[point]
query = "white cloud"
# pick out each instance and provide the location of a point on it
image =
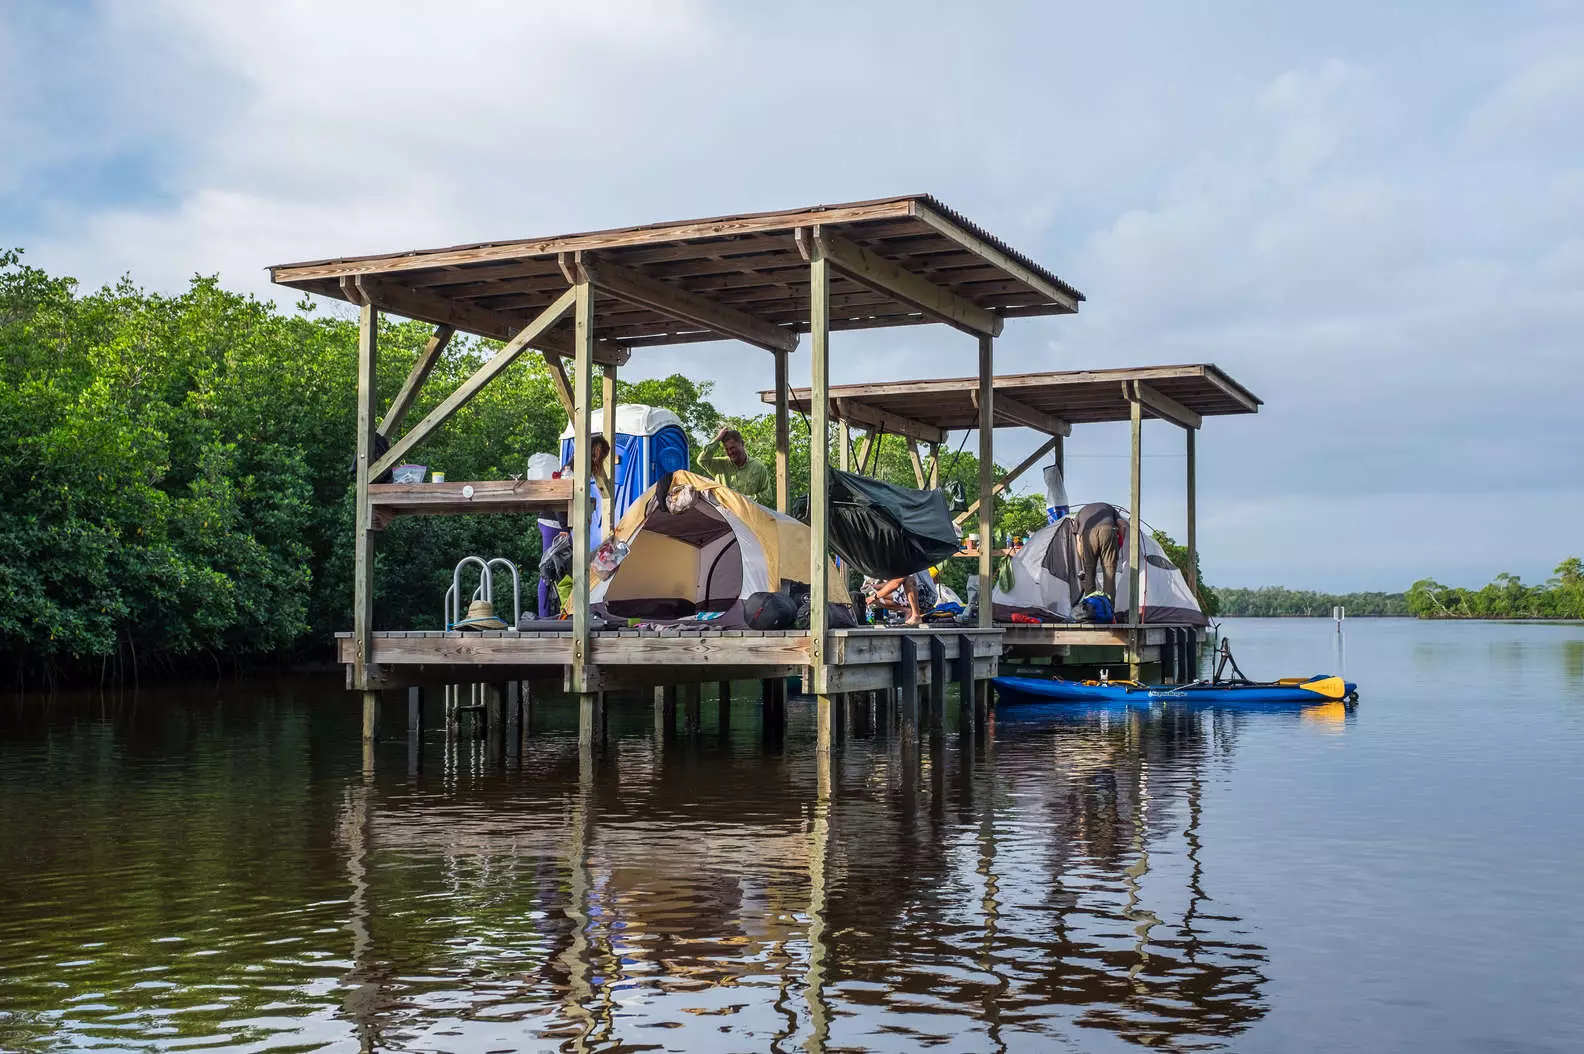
(1344, 227)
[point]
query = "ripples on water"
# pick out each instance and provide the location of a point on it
(211, 869)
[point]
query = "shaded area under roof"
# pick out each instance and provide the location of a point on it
(750, 263)
(1075, 396)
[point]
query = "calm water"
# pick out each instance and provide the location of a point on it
(210, 870)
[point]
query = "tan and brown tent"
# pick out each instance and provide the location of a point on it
(709, 557)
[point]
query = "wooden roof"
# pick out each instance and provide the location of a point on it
(1045, 401)
(751, 264)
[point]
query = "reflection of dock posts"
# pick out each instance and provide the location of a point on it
(966, 702)
(591, 720)
(937, 686)
(415, 729)
(723, 708)
(665, 699)
(692, 705)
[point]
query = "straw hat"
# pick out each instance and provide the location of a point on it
(481, 615)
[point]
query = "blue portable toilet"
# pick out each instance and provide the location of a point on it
(650, 442)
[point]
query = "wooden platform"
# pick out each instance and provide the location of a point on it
(859, 659)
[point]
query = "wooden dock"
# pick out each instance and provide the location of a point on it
(779, 282)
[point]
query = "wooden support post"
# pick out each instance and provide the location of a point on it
(819, 474)
(363, 528)
(986, 476)
(918, 464)
(783, 437)
(665, 710)
(1135, 534)
(907, 681)
(415, 729)
(937, 686)
(527, 710)
(1135, 524)
(514, 719)
(772, 713)
(1193, 534)
(694, 720)
(1059, 455)
(608, 493)
(723, 707)
(966, 703)
(582, 399)
(844, 454)
(934, 466)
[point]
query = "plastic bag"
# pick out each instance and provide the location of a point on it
(1055, 494)
(608, 557)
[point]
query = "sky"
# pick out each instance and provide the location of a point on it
(1371, 215)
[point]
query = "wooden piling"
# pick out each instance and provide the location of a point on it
(415, 729)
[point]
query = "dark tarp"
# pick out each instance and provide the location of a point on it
(884, 530)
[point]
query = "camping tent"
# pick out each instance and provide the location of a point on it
(709, 557)
(650, 442)
(1045, 579)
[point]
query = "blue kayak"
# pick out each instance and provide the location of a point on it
(1296, 690)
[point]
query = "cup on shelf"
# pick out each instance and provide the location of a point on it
(437, 477)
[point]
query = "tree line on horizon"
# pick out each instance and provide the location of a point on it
(1504, 597)
(176, 487)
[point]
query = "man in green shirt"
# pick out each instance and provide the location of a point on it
(736, 469)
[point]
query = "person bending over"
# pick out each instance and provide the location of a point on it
(1099, 541)
(726, 460)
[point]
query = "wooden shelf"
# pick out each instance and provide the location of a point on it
(390, 500)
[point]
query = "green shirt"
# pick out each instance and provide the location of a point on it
(750, 479)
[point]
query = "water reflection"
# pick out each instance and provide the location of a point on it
(251, 889)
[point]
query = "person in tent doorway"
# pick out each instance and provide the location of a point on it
(726, 460)
(552, 527)
(1099, 543)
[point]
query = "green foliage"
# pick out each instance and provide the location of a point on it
(1506, 596)
(1278, 601)
(175, 473)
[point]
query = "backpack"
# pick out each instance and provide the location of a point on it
(1096, 607)
(764, 610)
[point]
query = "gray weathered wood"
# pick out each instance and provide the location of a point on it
(987, 251)
(607, 478)
(861, 413)
(474, 384)
(1135, 524)
(635, 287)
(1011, 411)
(1165, 407)
(363, 516)
(986, 475)
(819, 462)
(1008, 479)
(1193, 539)
(891, 278)
(783, 437)
(582, 401)
(421, 368)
